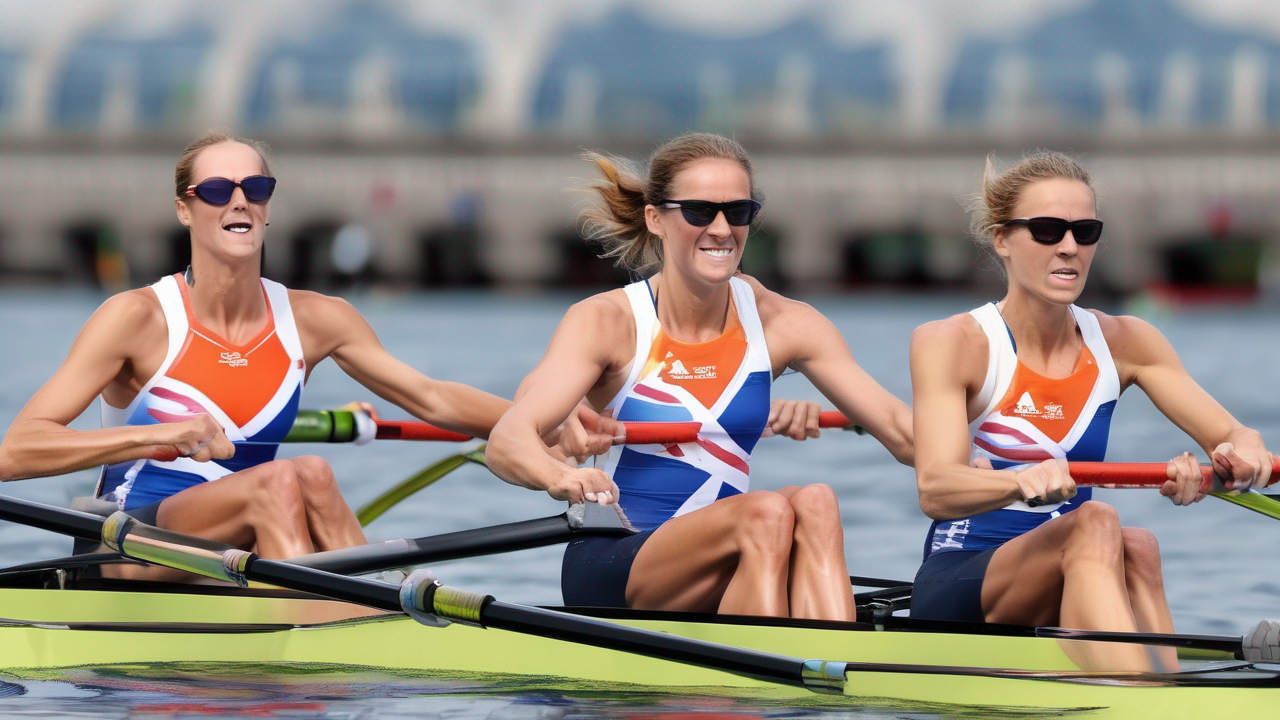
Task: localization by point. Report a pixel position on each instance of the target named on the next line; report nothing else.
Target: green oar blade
(428, 475)
(1255, 501)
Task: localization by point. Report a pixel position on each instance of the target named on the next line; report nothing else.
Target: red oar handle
(1138, 474)
(665, 433)
(412, 430)
(833, 419)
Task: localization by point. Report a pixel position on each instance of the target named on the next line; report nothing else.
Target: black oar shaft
(665, 646)
(54, 519)
(439, 548)
(338, 587)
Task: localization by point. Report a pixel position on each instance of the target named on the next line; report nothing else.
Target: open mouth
(1065, 274)
(237, 227)
(718, 252)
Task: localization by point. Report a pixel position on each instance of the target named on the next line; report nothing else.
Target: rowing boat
(59, 624)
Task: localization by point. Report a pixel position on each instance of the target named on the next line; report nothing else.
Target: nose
(720, 226)
(1068, 245)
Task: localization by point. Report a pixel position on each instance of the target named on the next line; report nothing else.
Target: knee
(1142, 556)
(1096, 530)
(279, 482)
(816, 506)
(314, 474)
(766, 519)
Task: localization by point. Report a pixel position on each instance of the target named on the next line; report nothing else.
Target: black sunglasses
(701, 213)
(218, 191)
(1051, 230)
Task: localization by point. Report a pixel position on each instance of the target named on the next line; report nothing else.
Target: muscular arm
(331, 327)
(1145, 358)
(578, 355)
(39, 443)
(945, 356)
(803, 338)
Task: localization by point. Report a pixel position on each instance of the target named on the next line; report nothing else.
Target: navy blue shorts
(948, 586)
(595, 569)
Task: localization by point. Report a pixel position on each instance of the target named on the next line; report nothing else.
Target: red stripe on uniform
(724, 456)
(652, 394)
(1006, 430)
(1020, 454)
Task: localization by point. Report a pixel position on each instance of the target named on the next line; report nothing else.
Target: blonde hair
(616, 219)
(993, 207)
(187, 160)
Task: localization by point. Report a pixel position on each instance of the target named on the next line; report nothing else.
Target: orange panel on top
(1050, 404)
(240, 384)
(704, 369)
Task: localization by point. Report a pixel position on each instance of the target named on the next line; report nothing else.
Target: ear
(184, 211)
(653, 220)
(1000, 242)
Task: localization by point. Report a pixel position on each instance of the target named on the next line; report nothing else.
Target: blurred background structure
(434, 144)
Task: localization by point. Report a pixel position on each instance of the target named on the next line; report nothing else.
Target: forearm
(898, 435)
(517, 454)
(41, 448)
(955, 491)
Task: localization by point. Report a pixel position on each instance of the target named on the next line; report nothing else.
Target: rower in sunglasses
(1005, 393)
(200, 377)
(695, 340)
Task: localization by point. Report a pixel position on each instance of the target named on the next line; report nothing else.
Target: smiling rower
(697, 341)
(200, 376)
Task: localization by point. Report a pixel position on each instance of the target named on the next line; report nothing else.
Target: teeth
(718, 252)
(238, 228)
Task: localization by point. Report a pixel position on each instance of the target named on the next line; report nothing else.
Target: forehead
(231, 160)
(1056, 197)
(714, 179)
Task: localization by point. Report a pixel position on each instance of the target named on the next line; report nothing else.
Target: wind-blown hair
(187, 160)
(993, 207)
(616, 219)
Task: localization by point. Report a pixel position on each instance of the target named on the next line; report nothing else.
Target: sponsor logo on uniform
(950, 535)
(678, 371)
(1026, 407)
(233, 359)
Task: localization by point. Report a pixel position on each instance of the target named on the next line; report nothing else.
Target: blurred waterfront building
(435, 143)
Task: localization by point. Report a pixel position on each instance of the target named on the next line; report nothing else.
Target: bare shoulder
(953, 347)
(774, 306)
(308, 305)
(607, 314)
(956, 333)
(133, 311)
(1132, 340)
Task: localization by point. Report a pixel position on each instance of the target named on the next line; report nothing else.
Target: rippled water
(1220, 563)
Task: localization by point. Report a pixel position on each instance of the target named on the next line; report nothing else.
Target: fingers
(1043, 484)
(981, 463)
(586, 485)
(796, 419)
(1185, 479)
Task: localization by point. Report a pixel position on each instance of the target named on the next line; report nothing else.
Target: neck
(1041, 328)
(226, 296)
(690, 313)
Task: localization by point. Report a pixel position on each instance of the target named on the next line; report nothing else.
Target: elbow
(930, 503)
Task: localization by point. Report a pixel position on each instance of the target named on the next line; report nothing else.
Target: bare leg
(1145, 583)
(330, 521)
(820, 586)
(730, 557)
(1069, 572)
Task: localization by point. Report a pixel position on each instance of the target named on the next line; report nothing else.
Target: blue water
(1220, 561)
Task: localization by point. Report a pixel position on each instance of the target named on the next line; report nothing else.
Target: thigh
(689, 560)
(221, 509)
(1023, 582)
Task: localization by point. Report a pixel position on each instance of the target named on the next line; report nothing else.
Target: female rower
(1007, 392)
(695, 341)
(200, 376)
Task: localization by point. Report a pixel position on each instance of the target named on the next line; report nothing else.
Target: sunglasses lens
(216, 192)
(740, 213)
(1087, 232)
(1047, 231)
(258, 188)
(698, 215)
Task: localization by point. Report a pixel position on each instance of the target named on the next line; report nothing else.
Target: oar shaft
(341, 426)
